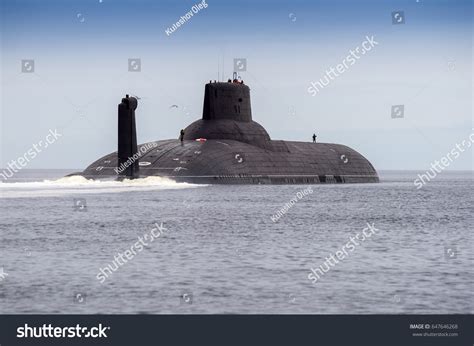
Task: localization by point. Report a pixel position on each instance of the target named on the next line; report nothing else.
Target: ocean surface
(220, 251)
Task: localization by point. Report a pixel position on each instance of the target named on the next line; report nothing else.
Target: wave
(80, 185)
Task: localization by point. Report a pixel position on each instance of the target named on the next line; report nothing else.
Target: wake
(80, 185)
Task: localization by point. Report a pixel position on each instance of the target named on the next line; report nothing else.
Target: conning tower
(227, 114)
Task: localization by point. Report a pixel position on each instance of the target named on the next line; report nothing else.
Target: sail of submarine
(226, 146)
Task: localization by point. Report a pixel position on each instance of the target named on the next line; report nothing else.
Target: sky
(81, 50)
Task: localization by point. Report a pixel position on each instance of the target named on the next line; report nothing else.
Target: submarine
(226, 146)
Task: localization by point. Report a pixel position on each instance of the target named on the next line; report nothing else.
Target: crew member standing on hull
(314, 138)
(181, 136)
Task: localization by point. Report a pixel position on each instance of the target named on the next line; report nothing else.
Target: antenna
(217, 68)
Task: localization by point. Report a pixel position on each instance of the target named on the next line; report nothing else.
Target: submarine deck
(234, 162)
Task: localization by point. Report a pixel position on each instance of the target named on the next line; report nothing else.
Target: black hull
(233, 162)
(226, 146)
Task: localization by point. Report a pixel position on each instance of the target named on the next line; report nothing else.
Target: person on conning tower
(181, 135)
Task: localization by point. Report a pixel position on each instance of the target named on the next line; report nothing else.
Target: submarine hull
(234, 162)
(226, 146)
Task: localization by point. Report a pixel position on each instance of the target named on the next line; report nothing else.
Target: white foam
(80, 185)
